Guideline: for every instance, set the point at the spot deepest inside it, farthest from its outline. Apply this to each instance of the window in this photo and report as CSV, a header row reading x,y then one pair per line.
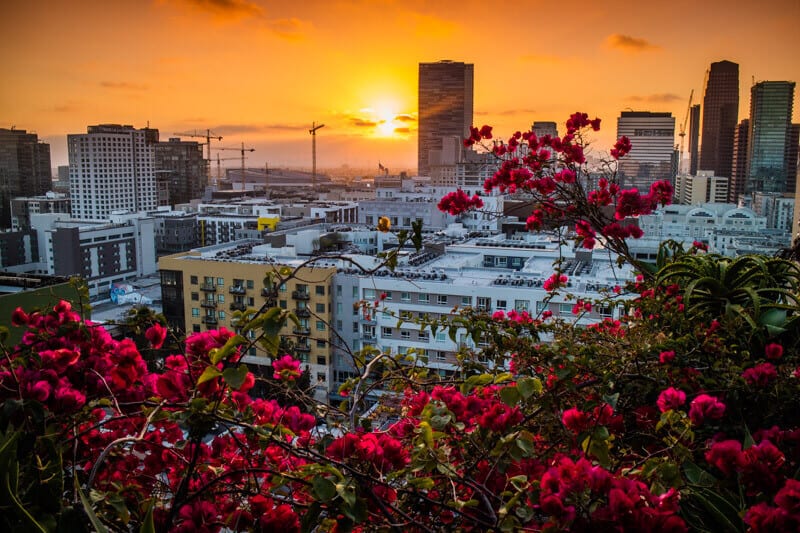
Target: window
x,y
406,314
320,343
355,292
423,298
424,336
405,334
338,308
195,296
282,288
338,290
339,325
221,298
355,327
441,299
369,294
320,290
320,325
484,304
320,308
521,305
466,300
321,376
441,356
386,332
405,296
321,361
196,328
501,304
249,283
369,332
220,281
193,280
282,304
540,306
388,295
195,311
251,301
222,315
502,261
565,308
441,336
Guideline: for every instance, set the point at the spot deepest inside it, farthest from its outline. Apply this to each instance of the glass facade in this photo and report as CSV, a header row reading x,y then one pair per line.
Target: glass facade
x,y
770,136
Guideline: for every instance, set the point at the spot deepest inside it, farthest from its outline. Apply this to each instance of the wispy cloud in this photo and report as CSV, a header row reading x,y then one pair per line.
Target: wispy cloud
x,y
627,43
235,129
226,8
402,130
124,85
291,29
228,11
363,123
405,118
659,98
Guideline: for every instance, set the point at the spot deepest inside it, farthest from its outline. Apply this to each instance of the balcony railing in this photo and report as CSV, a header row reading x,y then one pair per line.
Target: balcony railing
x,y
236,289
301,331
237,306
301,295
303,348
303,313
210,320
210,287
269,293
212,304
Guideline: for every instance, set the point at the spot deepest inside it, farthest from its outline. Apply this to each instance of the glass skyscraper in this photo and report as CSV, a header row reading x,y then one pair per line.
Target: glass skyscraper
x,y
720,115
770,138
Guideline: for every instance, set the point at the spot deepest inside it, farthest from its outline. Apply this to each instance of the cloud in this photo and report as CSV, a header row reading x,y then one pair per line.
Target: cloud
x,y
660,98
626,43
124,85
363,123
235,129
402,130
405,118
226,8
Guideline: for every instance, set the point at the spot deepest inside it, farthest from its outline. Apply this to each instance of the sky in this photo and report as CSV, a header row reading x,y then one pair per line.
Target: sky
x,y
260,72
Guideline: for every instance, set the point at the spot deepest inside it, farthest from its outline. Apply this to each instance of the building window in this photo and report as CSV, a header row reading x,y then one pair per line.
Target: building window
x,y
424,336
423,298
221,298
441,356
249,283
484,304
405,296
441,299
320,343
282,304
222,315
196,328
282,288
369,294
441,336
195,296
339,325
320,325
320,290
195,311
521,305
338,290
405,334
193,280
220,281
320,308
501,304
386,332
466,301
355,327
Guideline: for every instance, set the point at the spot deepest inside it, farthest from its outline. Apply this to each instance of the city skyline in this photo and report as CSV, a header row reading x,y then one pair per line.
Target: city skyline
x,y
262,72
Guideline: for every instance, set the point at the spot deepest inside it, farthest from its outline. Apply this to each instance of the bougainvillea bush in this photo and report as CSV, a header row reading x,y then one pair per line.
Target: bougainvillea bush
x,y
682,415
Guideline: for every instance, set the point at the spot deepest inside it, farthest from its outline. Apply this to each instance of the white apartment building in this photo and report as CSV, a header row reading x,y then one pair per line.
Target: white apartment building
x,y
703,188
112,168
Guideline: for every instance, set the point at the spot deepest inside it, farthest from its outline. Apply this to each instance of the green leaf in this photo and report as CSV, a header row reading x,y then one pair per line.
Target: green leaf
x,y
510,396
230,346
505,376
148,525
423,483
235,376
208,374
324,489
87,506
529,386
427,433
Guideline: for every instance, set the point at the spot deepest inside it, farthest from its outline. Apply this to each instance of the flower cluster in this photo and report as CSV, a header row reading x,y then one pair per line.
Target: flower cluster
x,y
458,202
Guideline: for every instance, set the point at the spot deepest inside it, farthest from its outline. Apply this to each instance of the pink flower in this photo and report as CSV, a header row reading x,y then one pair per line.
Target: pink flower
x,y
485,132
760,375
670,399
666,357
705,407
726,455
575,420
621,148
156,335
555,281
19,317
773,351
286,368
458,202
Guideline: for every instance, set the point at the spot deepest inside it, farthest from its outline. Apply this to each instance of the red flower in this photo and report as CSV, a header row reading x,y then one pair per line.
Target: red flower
x,y
670,399
575,420
286,368
666,357
621,148
726,455
458,202
773,351
760,375
705,407
156,335
19,317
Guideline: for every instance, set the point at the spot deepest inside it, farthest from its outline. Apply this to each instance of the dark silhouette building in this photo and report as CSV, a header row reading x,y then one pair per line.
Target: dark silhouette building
x,y
694,139
445,108
24,169
181,165
739,165
720,115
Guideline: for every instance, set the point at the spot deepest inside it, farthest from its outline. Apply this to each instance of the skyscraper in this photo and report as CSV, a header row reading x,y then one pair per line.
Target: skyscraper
x,y
694,139
444,108
652,155
720,115
182,166
111,168
770,138
739,165
24,169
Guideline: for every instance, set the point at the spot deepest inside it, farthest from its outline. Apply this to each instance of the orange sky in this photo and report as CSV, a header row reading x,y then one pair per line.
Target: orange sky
x,y
259,72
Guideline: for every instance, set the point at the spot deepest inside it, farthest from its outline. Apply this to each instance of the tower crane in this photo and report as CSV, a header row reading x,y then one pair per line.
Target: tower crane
x,y
313,132
682,132
208,136
219,167
242,150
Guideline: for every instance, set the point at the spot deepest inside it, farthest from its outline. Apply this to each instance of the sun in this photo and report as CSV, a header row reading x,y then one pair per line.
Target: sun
x,y
386,119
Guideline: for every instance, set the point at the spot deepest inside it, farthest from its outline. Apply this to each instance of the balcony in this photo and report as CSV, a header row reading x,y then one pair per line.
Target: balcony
x,y
238,306
210,320
303,348
236,289
210,304
301,295
303,313
209,287
301,331
269,293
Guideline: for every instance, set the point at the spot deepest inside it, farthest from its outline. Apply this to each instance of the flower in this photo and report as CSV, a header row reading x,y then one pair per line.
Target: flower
x,y
670,399
156,335
286,368
760,375
458,202
773,351
726,455
666,357
705,407
384,224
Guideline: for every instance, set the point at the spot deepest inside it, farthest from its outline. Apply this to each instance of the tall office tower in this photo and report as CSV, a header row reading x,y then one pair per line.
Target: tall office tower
x,y
720,115
444,108
182,166
652,154
545,128
792,153
112,168
694,139
24,169
770,137
739,165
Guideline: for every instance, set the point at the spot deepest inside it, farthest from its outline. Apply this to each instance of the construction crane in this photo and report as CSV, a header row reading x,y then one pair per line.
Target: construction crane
x,y
219,167
313,132
682,133
243,150
208,136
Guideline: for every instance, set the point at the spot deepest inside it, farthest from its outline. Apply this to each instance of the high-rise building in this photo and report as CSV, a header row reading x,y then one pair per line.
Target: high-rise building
x,y
720,115
444,108
694,139
24,169
703,188
652,154
770,138
541,128
112,168
739,165
181,165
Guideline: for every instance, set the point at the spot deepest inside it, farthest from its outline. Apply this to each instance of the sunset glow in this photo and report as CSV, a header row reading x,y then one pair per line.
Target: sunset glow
x,y
261,72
